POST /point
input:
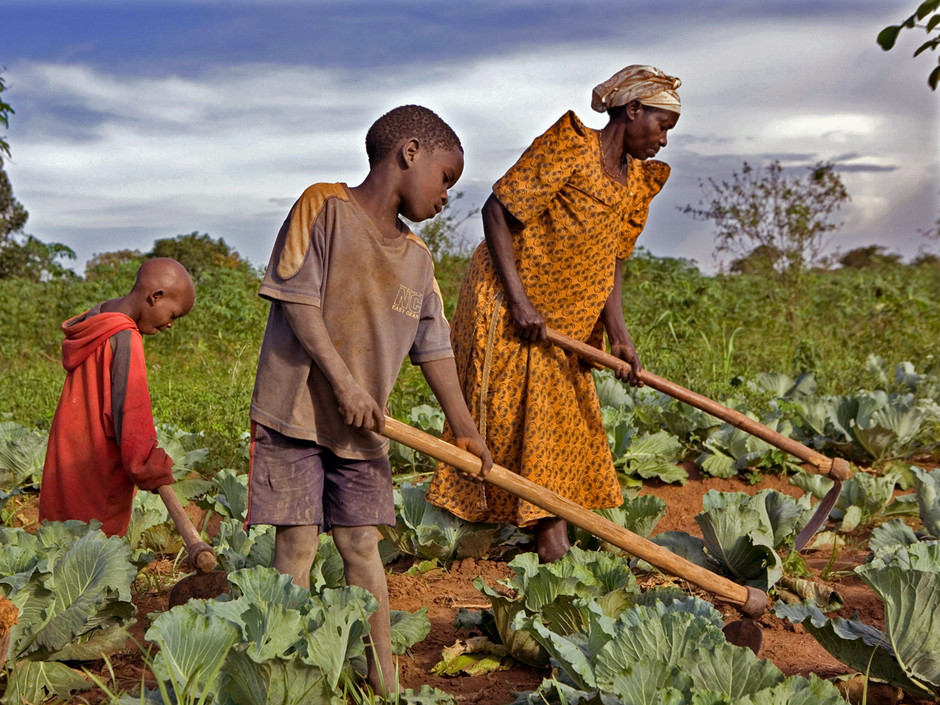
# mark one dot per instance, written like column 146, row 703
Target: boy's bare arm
column 356, row 405
column 442, row 379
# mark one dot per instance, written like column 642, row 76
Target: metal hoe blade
column 744, row 632
column 819, row 516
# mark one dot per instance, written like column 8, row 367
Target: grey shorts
column 294, row 482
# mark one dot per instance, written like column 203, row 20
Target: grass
column 704, row 332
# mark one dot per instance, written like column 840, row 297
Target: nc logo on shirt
column 408, row 302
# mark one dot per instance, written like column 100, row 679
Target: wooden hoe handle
column 836, row 468
column 200, row 553
column 748, row 600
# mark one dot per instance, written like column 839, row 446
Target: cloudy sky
column 141, row 120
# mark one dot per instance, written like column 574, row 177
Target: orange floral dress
column 535, row 405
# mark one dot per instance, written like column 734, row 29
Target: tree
column 930, row 11
column 6, row 111
column 761, row 261
column 23, row 255
column 198, row 252
column 13, row 215
column 789, row 215
column 932, row 235
column 868, row 257
column 107, row 265
column 442, row 234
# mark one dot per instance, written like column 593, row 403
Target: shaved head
column 162, row 293
column 167, row 275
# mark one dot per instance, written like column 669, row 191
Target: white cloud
column 843, row 127
column 224, row 150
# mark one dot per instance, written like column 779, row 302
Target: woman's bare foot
column 551, row 539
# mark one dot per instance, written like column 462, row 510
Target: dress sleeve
column 295, row 270
column 143, row 460
column 648, row 180
column 543, row 169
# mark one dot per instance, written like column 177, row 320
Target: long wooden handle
column 836, row 468
column 750, row 601
column 200, row 553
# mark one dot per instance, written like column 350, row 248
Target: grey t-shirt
column 379, row 301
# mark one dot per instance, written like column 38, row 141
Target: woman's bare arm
column 621, row 344
column 496, row 222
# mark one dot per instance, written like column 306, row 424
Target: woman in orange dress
column 557, row 227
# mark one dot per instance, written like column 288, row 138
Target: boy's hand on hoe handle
column 442, row 379
column 474, row 444
column 358, row 408
column 356, row 405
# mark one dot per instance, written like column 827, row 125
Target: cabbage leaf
column 551, row 591
column 71, row 586
column 429, row 532
column 907, row 653
column 664, row 651
column 271, row 641
column 927, row 488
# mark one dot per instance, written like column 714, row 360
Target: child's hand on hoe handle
column 358, row 408
column 442, row 378
column 474, row 444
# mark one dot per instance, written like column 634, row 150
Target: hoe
column 749, row 601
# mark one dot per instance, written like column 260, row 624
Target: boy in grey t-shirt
column 352, row 292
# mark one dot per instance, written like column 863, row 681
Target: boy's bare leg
column 295, row 548
column 551, row 539
column 359, row 548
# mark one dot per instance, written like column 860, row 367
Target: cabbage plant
column 237, row 549
column 427, row 418
column 927, row 491
column 228, row 495
column 432, row 533
column 185, row 448
column 647, row 455
column 22, row 453
column 907, row 653
column 270, row 642
column 864, row 500
column 648, row 410
column 639, row 426
column 729, row 450
column 637, row 514
column 741, row 535
column 868, row 427
column 71, row 585
column 550, row 590
column 664, row 649
column 894, row 536
column 151, row 531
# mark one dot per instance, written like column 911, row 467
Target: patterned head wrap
column 646, row 84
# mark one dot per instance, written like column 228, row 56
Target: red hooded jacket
column 102, row 442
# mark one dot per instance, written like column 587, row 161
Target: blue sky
column 136, row 121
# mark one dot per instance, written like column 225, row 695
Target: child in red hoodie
column 103, row 442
